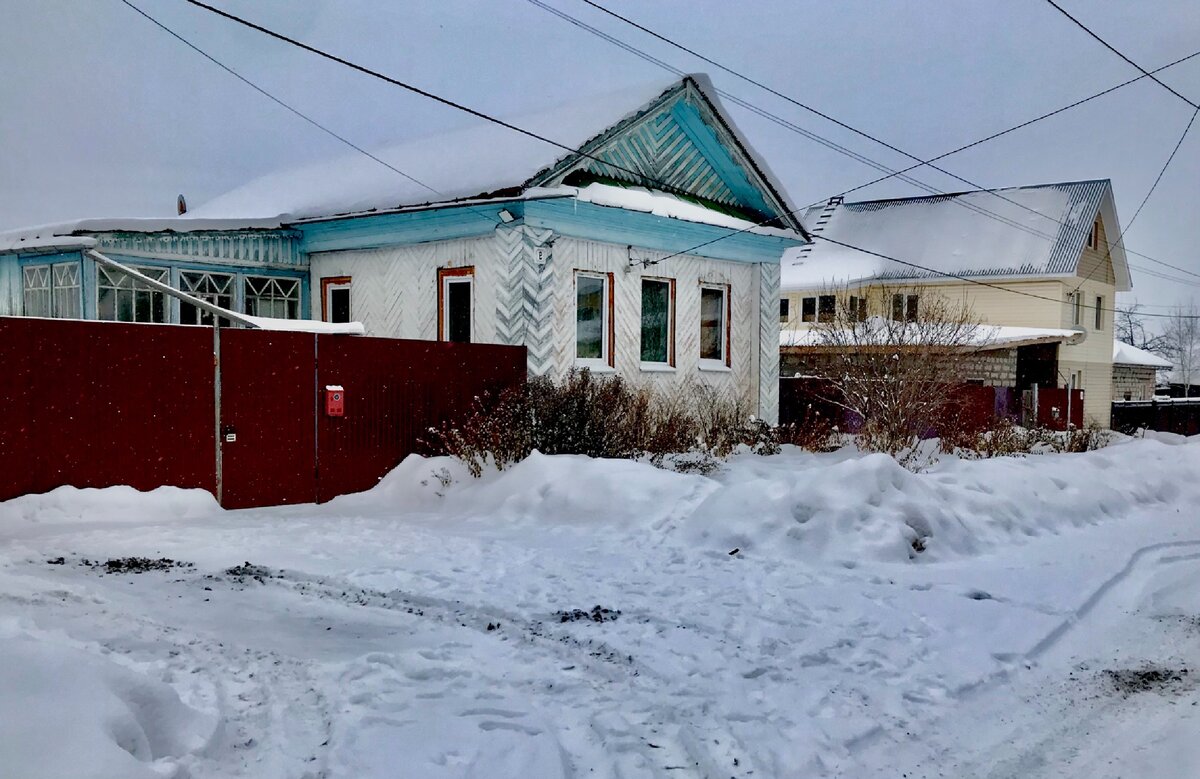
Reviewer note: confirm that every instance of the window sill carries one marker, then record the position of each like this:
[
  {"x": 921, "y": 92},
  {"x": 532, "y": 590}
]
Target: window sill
[
  {"x": 595, "y": 366},
  {"x": 715, "y": 366},
  {"x": 657, "y": 367}
]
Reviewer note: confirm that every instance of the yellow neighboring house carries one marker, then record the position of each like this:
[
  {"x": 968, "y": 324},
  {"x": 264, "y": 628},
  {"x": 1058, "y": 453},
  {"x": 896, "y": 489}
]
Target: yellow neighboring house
[{"x": 1046, "y": 257}]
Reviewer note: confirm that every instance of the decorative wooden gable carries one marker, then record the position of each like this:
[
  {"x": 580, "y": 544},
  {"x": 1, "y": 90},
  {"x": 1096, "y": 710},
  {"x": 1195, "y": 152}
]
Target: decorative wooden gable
[{"x": 678, "y": 143}]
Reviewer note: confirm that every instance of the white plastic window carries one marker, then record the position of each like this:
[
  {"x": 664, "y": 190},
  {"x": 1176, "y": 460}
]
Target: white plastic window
[
  {"x": 591, "y": 320},
  {"x": 713, "y": 326}
]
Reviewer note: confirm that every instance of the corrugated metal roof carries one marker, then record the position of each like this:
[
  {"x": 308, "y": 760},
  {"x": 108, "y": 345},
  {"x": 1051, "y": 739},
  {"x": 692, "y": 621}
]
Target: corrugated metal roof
[{"x": 1017, "y": 231}]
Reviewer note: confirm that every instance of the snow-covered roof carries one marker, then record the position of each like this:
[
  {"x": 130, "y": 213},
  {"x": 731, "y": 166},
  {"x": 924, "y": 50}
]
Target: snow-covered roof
[
  {"x": 1128, "y": 354},
  {"x": 66, "y": 235},
  {"x": 476, "y": 161},
  {"x": 1026, "y": 232},
  {"x": 984, "y": 337},
  {"x": 479, "y": 161},
  {"x": 42, "y": 240},
  {"x": 653, "y": 202}
]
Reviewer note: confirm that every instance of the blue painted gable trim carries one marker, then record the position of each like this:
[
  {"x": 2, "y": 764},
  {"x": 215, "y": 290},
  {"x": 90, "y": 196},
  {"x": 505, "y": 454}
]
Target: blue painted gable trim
[
  {"x": 570, "y": 217},
  {"x": 718, "y": 156},
  {"x": 406, "y": 227}
]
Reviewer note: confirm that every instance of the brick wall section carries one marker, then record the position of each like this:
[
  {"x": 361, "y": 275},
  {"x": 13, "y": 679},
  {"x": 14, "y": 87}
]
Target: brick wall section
[
  {"x": 995, "y": 368},
  {"x": 1137, "y": 380}
]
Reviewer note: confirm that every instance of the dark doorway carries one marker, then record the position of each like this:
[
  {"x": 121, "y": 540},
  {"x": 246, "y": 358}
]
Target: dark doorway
[{"x": 1037, "y": 364}]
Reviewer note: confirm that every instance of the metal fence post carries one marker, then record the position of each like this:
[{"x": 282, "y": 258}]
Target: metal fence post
[{"x": 217, "y": 406}]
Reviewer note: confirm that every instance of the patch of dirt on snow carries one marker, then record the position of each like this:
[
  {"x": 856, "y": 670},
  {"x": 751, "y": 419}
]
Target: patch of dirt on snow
[
  {"x": 248, "y": 570},
  {"x": 597, "y": 614},
  {"x": 130, "y": 564},
  {"x": 1148, "y": 678}
]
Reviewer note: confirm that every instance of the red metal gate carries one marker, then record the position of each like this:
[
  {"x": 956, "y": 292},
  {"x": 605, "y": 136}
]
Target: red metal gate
[{"x": 268, "y": 400}]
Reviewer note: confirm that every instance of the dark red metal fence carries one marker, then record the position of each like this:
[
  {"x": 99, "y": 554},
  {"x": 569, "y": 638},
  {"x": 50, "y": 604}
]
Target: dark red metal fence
[
  {"x": 1053, "y": 406},
  {"x": 395, "y": 392},
  {"x": 810, "y": 402},
  {"x": 95, "y": 404}
]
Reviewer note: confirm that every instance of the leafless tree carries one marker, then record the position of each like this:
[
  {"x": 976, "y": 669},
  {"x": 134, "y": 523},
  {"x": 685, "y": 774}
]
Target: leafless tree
[
  {"x": 1129, "y": 326},
  {"x": 1182, "y": 335},
  {"x": 897, "y": 372}
]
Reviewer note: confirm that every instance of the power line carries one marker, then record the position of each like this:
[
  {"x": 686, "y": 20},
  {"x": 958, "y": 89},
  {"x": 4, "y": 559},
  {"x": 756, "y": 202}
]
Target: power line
[
  {"x": 1114, "y": 50},
  {"x": 823, "y": 141},
  {"x": 968, "y": 279},
  {"x": 808, "y": 134},
  {"x": 531, "y": 134},
  {"x": 431, "y": 96},
  {"x": 277, "y": 100},
  {"x": 974, "y": 207},
  {"x": 1136, "y": 214}
]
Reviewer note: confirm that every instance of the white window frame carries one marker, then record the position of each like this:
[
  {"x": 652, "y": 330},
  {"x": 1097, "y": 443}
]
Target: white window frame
[
  {"x": 135, "y": 286},
  {"x": 59, "y": 282},
  {"x": 214, "y": 298},
  {"x": 604, "y": 363},
  {"x": 42, "y": 293},
  {"x": 669, "y": 363},
  {"x": 70, "y": 288},
  {"x": 444, "y": 325},
  {"x": 1075, "y": 300},
  {"x": 725, "y": 361},
  {"x": 273, "y": 291}
]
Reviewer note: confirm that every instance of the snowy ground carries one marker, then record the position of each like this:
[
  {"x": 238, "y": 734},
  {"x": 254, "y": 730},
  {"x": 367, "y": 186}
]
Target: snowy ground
[{"x": 964, "y": 622}]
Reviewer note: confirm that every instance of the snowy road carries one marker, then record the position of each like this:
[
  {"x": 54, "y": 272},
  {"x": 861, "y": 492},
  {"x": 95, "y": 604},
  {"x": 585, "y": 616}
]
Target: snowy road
[{"x": 431, "y": 630}]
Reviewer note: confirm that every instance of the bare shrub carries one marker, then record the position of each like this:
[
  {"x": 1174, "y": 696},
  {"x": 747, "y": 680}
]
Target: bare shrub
[
  {"x": 692, "y": 429},
  {"x": 896, "y": 374},
  {"x": 1006, "y": 439}
]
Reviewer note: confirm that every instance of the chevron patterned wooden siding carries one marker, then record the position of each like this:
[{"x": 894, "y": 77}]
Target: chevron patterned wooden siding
[
  {"x": 659, "y": 148},
  {"x": 394, "y": 290},
  {"x": 768, "y": 342},
  {"x": 525, "y": 294},
  {"x": 688, "y": 272}
]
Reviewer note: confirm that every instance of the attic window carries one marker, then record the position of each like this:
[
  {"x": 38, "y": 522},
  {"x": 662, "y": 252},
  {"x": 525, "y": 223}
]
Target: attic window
[{"x": 1093, "y": 240}]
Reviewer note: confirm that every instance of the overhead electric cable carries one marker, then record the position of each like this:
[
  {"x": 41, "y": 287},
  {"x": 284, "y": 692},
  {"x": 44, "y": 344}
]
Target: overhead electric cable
[
  {"x": 515, "y": 128},
  {"x": 978, "y": 187},
  {"x": 1116, "y": 51},
  {"x": 1137, "y": 213}
]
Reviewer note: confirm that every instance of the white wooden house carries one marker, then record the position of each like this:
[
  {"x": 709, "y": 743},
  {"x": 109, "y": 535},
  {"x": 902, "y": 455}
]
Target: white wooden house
[{"x": 640, "y": 256}]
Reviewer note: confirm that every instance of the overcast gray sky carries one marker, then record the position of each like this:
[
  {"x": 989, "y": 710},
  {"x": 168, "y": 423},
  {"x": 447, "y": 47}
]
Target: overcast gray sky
[{"x": 103, "y": 114}]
